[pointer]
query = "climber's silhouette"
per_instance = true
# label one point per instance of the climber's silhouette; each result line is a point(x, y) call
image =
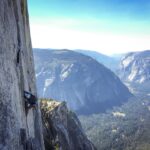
point(30, 100)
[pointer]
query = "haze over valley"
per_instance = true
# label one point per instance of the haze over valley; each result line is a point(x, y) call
point(103, 90)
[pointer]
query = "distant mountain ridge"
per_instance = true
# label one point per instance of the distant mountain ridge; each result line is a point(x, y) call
point(111, 62)
point(86, 85)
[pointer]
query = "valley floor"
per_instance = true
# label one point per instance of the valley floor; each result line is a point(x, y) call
point(123, 128)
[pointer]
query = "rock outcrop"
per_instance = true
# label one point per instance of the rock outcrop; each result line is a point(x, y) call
point(18, 130)
point(62, 129)
point(86, 85)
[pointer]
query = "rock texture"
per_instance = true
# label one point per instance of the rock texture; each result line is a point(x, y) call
point(135, 70)
point(62, 128)
point(18, 130)
point(86, 85)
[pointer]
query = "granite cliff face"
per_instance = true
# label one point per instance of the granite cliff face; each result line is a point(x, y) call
point(18, 130)
point(86, 85)
point(62, 129)
point(135, 70)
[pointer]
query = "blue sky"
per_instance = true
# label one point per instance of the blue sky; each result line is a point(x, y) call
point(108, 26)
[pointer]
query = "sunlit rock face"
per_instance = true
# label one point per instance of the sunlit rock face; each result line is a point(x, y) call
point(62, 129)
point(135, 70)
point(18, 130)
point(86, 85)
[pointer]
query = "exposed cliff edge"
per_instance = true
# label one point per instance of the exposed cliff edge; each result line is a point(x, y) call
point(18, 130)
point(62, 129)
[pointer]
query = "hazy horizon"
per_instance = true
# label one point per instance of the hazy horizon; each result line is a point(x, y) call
point(107, 27)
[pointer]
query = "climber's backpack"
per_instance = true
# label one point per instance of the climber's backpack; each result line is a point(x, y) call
point(30, 99)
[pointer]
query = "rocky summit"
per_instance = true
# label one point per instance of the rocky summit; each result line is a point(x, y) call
point(62, 128)
point(86, 85)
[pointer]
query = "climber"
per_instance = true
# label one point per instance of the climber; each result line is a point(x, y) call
point(30, 100)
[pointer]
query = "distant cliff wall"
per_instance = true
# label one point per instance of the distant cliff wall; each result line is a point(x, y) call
point(18, 130)
point(86, 85)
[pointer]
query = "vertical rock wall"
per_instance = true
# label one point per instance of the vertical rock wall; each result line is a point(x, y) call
point(18, 130)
